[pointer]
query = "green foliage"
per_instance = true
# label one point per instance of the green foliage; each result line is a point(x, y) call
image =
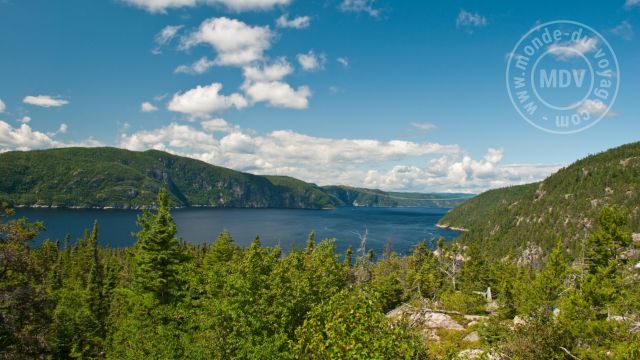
point(110, 177)
point(564, 205)
point(350, 325)
point(158, 254)
point(164, 299)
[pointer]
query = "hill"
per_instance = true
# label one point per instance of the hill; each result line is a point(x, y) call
point(564, 205)
point(117, 178)
point(352, 196)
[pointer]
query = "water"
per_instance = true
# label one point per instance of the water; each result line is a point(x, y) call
point(402, 227)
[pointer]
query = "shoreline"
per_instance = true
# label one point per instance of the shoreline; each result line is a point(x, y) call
point(449, 227)
point(138, 208)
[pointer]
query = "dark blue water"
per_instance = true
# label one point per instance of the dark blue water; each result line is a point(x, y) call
point(402, 227)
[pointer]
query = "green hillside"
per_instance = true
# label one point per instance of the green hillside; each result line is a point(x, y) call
point(351, 196)
point(566, 204)
point(110, 177)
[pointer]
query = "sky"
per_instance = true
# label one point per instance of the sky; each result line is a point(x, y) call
point(396, 95)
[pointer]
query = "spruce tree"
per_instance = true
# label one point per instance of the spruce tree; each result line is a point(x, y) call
point(158, 253)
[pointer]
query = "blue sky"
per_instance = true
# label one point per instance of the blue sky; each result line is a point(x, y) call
point(401, 95)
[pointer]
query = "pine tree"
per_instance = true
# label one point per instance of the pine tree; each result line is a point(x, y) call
point(158, 253)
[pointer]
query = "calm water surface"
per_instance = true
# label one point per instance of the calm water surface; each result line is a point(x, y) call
point(402, 227)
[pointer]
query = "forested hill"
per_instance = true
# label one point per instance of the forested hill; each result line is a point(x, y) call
point(564, 205)
point(117, 178)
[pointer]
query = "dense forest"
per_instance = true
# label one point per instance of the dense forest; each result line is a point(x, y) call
point(118, 178)
point(166, 299)
point(565, 204)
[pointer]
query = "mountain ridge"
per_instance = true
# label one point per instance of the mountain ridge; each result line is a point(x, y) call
point(108, 177)
point(565, 205)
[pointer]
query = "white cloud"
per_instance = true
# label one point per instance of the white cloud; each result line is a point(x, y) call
point(173, 136)
point(574, 48)
point(365, 6)
point(631, 3)
point(148, 107)
point(311, 62)
point(235, 42)
point(3, 107)
point(263, 84)
point(275, 71)
point(62, 129)
point(25, 120)
point(161, 6)
point(468, 21)
point(245, 5)
point(344, 61)
point(278, 94)
point(216, 125)
point(204, 101)
point(425, 127)
point(24, 137)
point(44, 101)
point(390, 165)
point(165, 36)
point(300, 22)
point(624, 30)
point(594, 109)
point(199, 67)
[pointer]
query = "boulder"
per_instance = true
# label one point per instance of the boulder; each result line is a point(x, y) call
point(472, 337)
point(470, 354)
point(517, 321)
point(424, 318)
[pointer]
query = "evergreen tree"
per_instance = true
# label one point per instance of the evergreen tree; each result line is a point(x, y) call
point(158, 253)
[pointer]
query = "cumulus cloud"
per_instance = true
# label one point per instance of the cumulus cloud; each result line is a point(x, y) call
point(311, 62)
point(623, 30)
point(204, 101)
point(594, 109)
point(268, 72)
point(199, 67)
point(148, 107)
point(24, 137)
point(216, 125)
point(44, 101)
point(300, 22)
point(263, 83)
point(161, 6)
point(25, 119)
point(390, 165)
point(468, 21)
point(62, 129)
point(575, 48)
point(365, 6)
point(235, 42)
point(343, 61)
point(278, 94)
point(3, 107)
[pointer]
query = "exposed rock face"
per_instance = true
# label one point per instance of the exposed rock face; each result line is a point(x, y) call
point(424, 318)
point(472, 337)
point(470, 354)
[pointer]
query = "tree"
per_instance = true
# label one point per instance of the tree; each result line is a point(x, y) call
point(158, 254)
point(24, 305)
point(351, 325)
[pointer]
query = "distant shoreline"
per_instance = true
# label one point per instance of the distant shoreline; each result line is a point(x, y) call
point(138, 208)
point(449, 227)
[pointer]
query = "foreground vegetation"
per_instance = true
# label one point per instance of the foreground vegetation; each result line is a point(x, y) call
point(165, 299)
